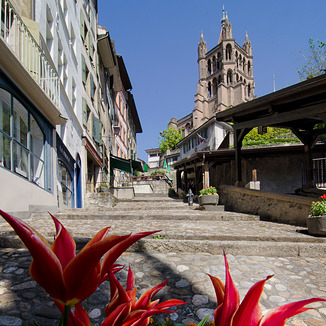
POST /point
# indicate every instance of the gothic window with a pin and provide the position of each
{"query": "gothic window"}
(244, 64)
(228, 52)
(249, 90)
(219, 79)
(237, 78)
(240, 60)
(214, 87)
(229, 77)
(209, 68)
(214, 64)
(209, 89)
(249, 68)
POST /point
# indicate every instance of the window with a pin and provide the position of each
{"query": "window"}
(66, 183)
(228, 52)
(21, 140)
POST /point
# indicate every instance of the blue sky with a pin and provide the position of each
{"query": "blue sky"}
(158, 40)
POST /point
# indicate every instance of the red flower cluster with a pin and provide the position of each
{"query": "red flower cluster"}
(230, 312)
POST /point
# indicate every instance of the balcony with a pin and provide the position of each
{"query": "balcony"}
(27, 65)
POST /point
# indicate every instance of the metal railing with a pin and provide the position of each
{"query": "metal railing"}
(319, 172)
(21, 42)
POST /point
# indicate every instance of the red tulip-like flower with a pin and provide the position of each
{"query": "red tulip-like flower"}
(231, 313)
(69, 278)
(124, 310)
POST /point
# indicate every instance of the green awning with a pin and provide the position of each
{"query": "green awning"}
(125, 165)
(120, 163)
(137, 166)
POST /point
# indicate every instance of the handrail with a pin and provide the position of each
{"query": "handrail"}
(17, 36)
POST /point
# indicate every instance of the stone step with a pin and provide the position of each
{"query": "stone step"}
(232, 247)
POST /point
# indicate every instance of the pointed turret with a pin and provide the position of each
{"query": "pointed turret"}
(202, 50)
(202, 47)
(247, 45)
(226, 31)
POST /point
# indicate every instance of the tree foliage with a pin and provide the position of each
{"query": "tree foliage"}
(315, 61)
(169, 139)
(273, 136)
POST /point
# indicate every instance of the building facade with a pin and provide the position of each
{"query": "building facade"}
(58, 110)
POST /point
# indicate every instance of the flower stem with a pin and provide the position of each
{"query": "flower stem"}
(65, 317)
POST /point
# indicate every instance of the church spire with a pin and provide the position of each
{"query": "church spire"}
(226, 30)
(247, 45)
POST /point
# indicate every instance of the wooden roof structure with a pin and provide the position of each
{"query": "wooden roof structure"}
(300, 107)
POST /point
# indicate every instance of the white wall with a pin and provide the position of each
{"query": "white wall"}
(16, 193)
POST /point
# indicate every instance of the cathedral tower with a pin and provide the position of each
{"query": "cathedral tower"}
(225, 74)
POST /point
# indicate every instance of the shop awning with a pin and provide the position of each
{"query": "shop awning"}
(125, 165)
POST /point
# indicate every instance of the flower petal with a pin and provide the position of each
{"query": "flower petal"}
(112, 255)
(64, 245)
(45, 268)
(231, 300)
(82, 275)
(219, 288)
(278, 316)
(249, 311)
(145, 299)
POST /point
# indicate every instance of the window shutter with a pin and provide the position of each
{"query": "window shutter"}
(84, 77)
(82, 25)
(97, 130)
(84, 113)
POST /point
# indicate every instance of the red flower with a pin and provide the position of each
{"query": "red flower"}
(124, 310)
(67, 277)
(323, 196)
(230, 312)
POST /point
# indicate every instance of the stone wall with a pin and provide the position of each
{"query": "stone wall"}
(269, 206)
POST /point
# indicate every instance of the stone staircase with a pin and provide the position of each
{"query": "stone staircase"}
(183, 228)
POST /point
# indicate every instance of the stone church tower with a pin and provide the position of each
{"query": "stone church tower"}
(225, 75)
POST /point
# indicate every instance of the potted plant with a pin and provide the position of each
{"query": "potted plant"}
(316, 221)
(208, 196)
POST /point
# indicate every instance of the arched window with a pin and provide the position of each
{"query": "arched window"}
(209, 89)
(229, 77)
(244, 64)
(240, 60)
(214, 87)
(209, 67)
(228, 52)
(249, 68)
(214, 64)
(249, 90)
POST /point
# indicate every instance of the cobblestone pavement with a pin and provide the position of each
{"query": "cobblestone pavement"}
(22, 300)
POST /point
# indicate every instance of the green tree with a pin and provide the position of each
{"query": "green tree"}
(169, 139)
(315, 61)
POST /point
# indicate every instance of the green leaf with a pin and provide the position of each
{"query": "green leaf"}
(202, 323)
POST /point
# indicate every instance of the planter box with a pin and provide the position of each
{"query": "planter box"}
(316, 225)
(208, 200)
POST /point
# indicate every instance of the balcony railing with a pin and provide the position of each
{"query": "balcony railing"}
(21, 42)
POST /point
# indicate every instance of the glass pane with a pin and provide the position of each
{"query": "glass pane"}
(37, 139)
(68, 181)
(64, 173)
(59, 171)
(69, 201)
(20, 123)
(5, 151)
(64, 194)
(37, 171)
(20, 160)
(5, 100)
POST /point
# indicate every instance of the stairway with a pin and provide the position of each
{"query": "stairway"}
(183, 228)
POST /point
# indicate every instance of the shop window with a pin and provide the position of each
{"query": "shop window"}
(21, 140)
(66, 184)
